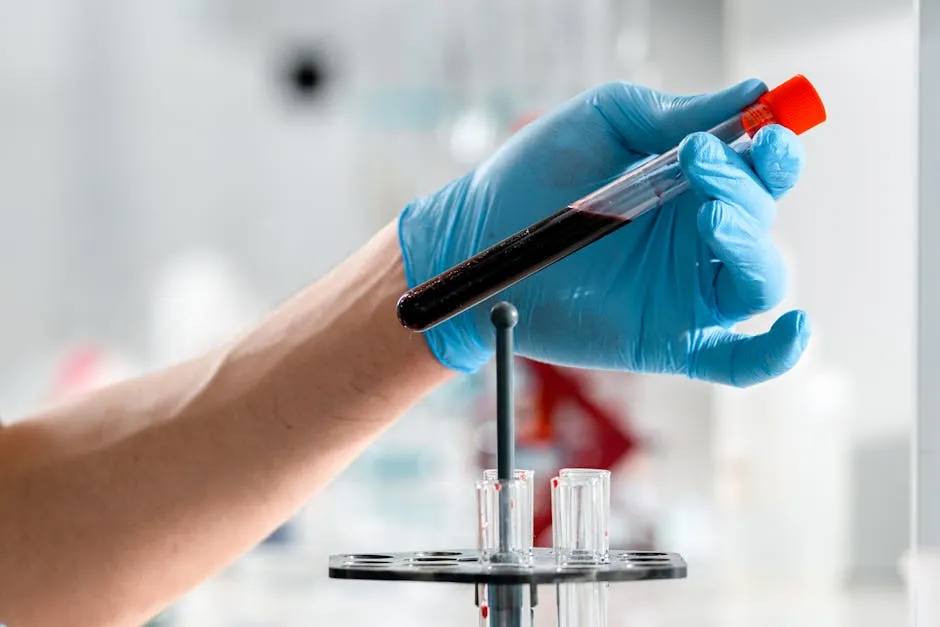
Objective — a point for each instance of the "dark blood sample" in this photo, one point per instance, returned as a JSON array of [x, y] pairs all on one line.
[[503, 264]]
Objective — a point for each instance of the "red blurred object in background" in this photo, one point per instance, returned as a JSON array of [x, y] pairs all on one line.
[[611, 440]]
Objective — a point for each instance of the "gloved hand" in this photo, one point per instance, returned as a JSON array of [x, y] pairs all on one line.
[[660, 295]]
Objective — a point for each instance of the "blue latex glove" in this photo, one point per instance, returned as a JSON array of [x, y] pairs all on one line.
[[661, 294]]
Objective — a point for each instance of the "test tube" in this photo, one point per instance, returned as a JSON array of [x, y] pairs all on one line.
[[582, 604], [583, 513], [518, 545], [505, 605], [580, 533], [794, 104], [526, 503]]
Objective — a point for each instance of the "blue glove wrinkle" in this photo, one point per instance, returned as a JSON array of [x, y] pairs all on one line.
[[681, 115], [718, 172], [751, 278], [743, 361], [426, 226], [609, 102], [754, 279], [708, 221], [761, 358], [645, 121], [793, 331], [777, 156]]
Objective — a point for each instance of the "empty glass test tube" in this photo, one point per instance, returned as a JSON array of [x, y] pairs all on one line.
[[582, 604], [580, 515], [794, 104], [580, 533]]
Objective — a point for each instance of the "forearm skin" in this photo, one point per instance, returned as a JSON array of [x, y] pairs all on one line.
[[113, 505]]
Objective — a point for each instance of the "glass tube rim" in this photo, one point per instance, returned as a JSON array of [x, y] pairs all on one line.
[[483, 483], [601, 473], [521, 474]]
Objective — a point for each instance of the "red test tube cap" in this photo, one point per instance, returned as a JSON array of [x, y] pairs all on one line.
[[795, 104]]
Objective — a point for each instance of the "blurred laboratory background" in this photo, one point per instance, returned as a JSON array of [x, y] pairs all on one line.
[[169, 171]]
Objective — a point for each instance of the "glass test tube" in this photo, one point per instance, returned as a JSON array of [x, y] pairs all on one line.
[[581, 514], [518, 494], [580, 533], [582, 604], [526, 502], [794, 104], [511, 605]]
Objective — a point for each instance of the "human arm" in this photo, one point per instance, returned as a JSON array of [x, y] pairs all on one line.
[[115, 504], [661, 295], [111, 530]]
